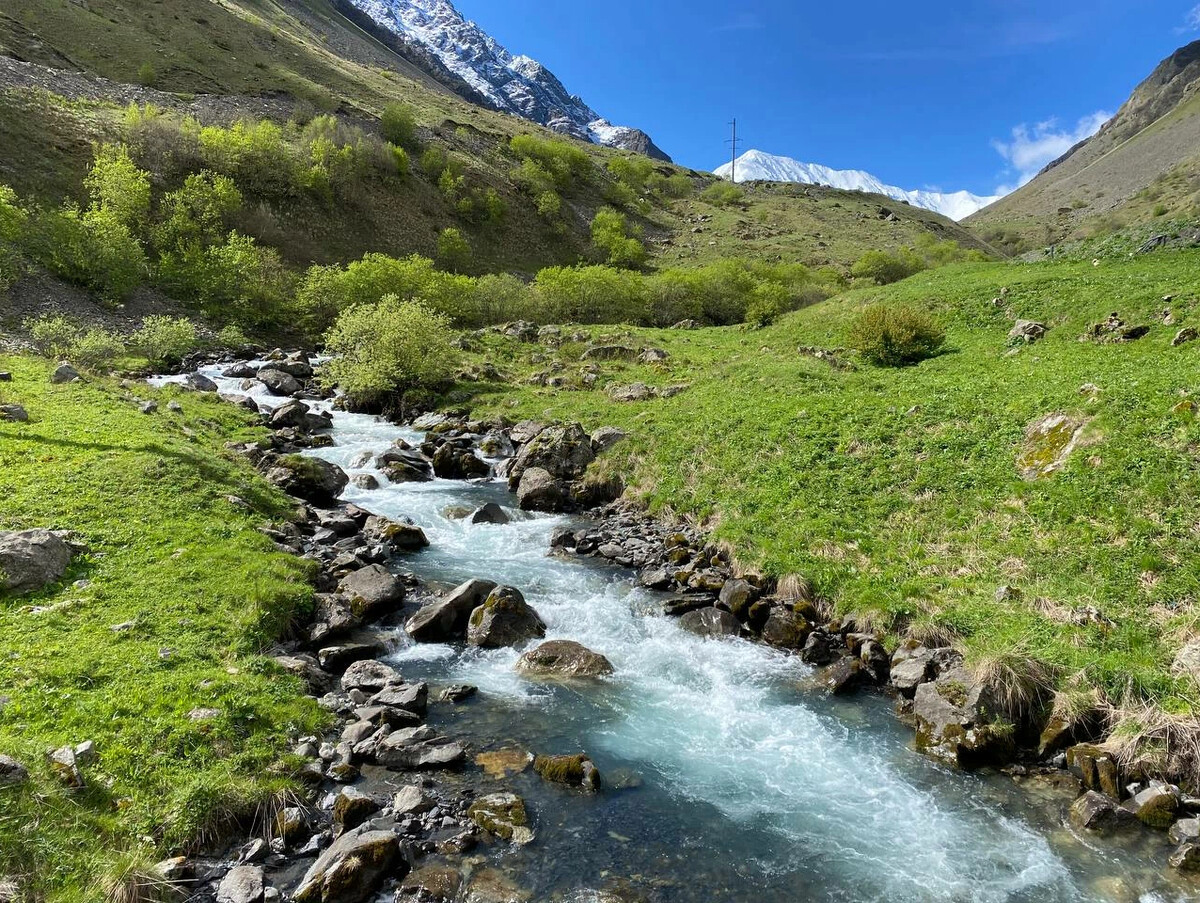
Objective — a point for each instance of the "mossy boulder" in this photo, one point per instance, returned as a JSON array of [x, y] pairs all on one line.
[[564, 660], [574, 771], [504, 815], [1097, 767], [504, 619], [959, 721], [1049, 441], [310, 479]]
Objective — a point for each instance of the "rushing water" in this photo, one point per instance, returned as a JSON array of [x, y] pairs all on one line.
[[730, 776]]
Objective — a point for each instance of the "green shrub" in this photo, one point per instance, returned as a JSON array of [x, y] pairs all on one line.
[[161, 143], [146, 75], [768, 301], [723, 194], [633, 172], [166, 340], [434, 162], [53, 336], [254, 155], [453, 251], [232, 337], [672, 296], [91, 248], [389, 348], [499, 298], [885, 268], [198, 213], [564, 163], [610, 235], [12, 230], [677, 186], [895, 335], [590, 294], [399, 126], [96, 348], [116, 186], [549, 204]]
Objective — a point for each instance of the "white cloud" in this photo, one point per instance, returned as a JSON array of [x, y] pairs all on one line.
[[1032, 147], [1191, 20]]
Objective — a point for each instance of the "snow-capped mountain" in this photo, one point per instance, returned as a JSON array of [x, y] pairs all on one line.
[[755, 165], [512, 84]]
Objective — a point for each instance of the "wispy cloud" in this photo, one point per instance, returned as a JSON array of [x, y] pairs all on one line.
[[1032, 147], [742, 22], [1191, 21]]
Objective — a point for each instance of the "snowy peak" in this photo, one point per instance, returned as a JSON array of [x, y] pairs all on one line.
[[754, 165], [512, 84]]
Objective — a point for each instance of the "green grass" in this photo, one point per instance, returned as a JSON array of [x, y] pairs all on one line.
[[896, 490], [205, 593]]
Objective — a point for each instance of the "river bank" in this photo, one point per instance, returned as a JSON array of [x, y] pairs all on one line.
[[814, 764]]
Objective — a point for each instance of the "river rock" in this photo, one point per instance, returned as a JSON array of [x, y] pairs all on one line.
[[563, 659], [411, 800], [1186, 857], [956, 721], [369, 675], [279, 382], [538, 490], [336, 659], [291, 826], [373, 591], [1096, 812], [1097, 767], [301, 369], [364, 481], [912, 665], [398, 536], [240, 370], [453, 463], [12, 772], [352, 807], [1156, 805], [311, 479], [504, 815], [352, 869], [402, 465], [575, 771], [844, 676], [491, 513], [736, 596], [526, 431], [446, 619], [1184, 830], [64, 373], [784, 628], [490, 885], [292, 413], [504, 619], [562, 451], [243, 884], [418, 748], [430, 884], [31, 559], [412, 698], [199, 382], [711, 622]]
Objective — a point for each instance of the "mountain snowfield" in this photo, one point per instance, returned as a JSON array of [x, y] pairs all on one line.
[[512, 84], [755, 165]]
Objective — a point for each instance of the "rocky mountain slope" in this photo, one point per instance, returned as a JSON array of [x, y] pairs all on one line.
[[755, 165], [514, 84], [1144, 164]]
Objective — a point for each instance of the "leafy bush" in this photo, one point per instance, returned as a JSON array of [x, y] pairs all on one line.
[[632, 172], [92, 248], [564, 163], [53, 336], [12, 229], [610, 235], [895, 335], [453, 251], [197, 214], [254, 154], [768, 301], [399, 126], [591, 294], [232, 337], [723, 194], [166, 340], [388, 348], [549, 204], [146, 75], [885, 268], [677, 186], [96, 348]]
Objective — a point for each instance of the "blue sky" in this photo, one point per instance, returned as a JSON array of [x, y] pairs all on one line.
[[972, 94]]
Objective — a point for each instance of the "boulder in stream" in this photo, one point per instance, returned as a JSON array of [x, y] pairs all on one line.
[[352, 869], [311, 479], [574, 771], [563, 659], [446, 619], [711, 622], [538, 490], [373, 591], [958, 721], [504, 815], [504, 619]]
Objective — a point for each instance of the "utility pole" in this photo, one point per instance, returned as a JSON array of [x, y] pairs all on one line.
[[733, 142]]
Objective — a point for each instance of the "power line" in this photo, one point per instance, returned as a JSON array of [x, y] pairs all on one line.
[[733, 143]]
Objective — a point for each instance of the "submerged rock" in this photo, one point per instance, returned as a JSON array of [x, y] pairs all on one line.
[[563, 659], [575, 771], [504, 619], [1096, 812], [711, 622], [431, 884], [491, 513]]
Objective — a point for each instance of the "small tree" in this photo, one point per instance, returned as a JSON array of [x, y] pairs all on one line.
[[388, 348], [399, 126], [893, 336], [453, 250], [166, 339], [610, 236], [147, 75], [768, 301], [117, 187]]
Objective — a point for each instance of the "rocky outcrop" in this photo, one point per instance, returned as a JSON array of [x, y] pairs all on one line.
[[31, 559], [563, 660], [504, 619]]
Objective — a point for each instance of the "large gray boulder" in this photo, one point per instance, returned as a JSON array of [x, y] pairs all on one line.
[[563, 659], [199, 382], [419, 748], [958, 721], [279, 382], [711, 622], [504, 619], [31, 559], [538, 490], [446, 619], [352, 869], [243, 884], [64, 373], [562, 451], [373, 591], [311, 479], [405, 465]]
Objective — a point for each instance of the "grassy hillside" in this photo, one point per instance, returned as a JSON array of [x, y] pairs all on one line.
[[166, 615], [897, 491], [221, 61], [1141, 167]]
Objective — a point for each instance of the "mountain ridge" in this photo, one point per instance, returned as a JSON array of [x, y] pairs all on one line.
[[507, 82], [756, 165]]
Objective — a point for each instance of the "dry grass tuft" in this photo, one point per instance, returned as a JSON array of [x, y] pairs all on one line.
[[931, 633], [795, 588], [135, 881], [1147, 739], [1021, 683]]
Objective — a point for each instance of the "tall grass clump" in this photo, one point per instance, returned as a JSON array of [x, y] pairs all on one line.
[[895, 335]]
